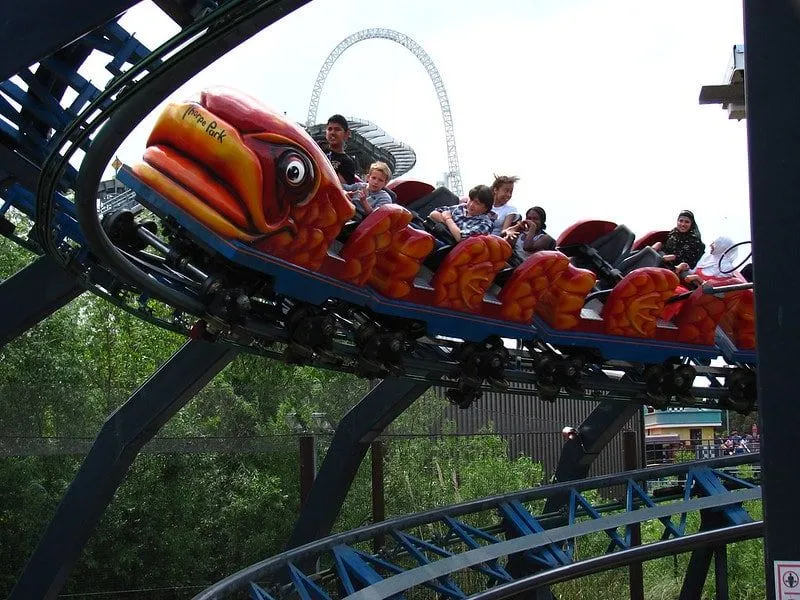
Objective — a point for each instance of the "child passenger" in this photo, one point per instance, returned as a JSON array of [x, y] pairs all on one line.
[[370, 195], [505, 213], [529, 236], [472, 218]]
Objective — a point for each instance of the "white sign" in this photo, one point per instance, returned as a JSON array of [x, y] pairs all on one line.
[[787, 580]]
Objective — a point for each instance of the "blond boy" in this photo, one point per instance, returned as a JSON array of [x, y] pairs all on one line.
[[369, 195]]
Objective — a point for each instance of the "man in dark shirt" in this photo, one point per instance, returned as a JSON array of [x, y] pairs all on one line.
[[337, 133]]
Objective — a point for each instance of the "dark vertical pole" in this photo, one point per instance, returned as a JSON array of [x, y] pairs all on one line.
[[630, 462], [350, 444], [597, 430], [772, 90], [308, 465], [378, 451]]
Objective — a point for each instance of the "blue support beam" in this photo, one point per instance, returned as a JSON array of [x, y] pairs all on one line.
[[38, 28], [772, 87], [33, 294], [114, 450], [594, 434], [359, 427]]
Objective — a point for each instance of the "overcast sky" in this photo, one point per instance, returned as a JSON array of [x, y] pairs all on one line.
[[593, 104]]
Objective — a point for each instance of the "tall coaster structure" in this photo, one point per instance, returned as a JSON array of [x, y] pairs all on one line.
[[49, 111], [454, 171]]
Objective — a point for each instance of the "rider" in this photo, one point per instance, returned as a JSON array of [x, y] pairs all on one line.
[[505, 213], [337, 132], [528, 236], [683, 245], [465, 220], [370, 195]]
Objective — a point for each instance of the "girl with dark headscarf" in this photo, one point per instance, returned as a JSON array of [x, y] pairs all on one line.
[[684, 241], [528, 236]]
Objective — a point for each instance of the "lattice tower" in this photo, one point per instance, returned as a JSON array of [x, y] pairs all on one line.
[[454, 173]]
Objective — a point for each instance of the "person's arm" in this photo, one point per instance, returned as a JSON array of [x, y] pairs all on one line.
[[362, 200], [508, 221], [437, 215], [454, 229], [512, 233], [542, 242]]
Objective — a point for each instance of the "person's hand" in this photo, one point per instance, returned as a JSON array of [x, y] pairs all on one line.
[[681, 267], [692, 278], [447, 215], [436, 216], [657, 247], [668, 257], [511, 235]]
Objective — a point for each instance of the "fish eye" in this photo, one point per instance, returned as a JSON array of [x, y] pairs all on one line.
[[294, 169]]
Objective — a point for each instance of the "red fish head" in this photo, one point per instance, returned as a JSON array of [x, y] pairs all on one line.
[[247, 173]]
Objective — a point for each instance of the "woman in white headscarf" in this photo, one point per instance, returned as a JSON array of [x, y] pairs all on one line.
[[718, 263], [715, 265]]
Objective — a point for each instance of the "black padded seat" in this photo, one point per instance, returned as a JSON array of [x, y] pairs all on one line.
[[615, 246], [347, 230], [646, 257]]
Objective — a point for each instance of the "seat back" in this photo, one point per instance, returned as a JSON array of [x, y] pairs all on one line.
[[408, 190], [649, 239], [646, 257], [616, 245]]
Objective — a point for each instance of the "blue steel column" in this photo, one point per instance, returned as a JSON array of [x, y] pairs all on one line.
[[33, 294], [772, 90], [594, 434], [35, 29], [354, 434], [113, 452]]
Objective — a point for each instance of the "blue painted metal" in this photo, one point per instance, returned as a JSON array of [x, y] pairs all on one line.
[[303, 284], [577, 501], [33, 294], [772, 84], [623, 558], [635, 494], [306, 588], [355, 432], [257, 593], [42, 110], [433, 561], [415, 546], [348, 562], [525, 524], [33, 36], [114, 450], [594, 434], [467, 534]]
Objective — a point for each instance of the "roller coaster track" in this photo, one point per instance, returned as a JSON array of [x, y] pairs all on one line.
[[498, 547], [429, 549], [70, 231]]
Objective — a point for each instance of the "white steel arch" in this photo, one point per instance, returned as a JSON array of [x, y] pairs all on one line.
[[454, 174]]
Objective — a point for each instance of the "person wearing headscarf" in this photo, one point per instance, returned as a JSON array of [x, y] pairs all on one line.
[[529, 236], [684, 242], [718, 262]]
